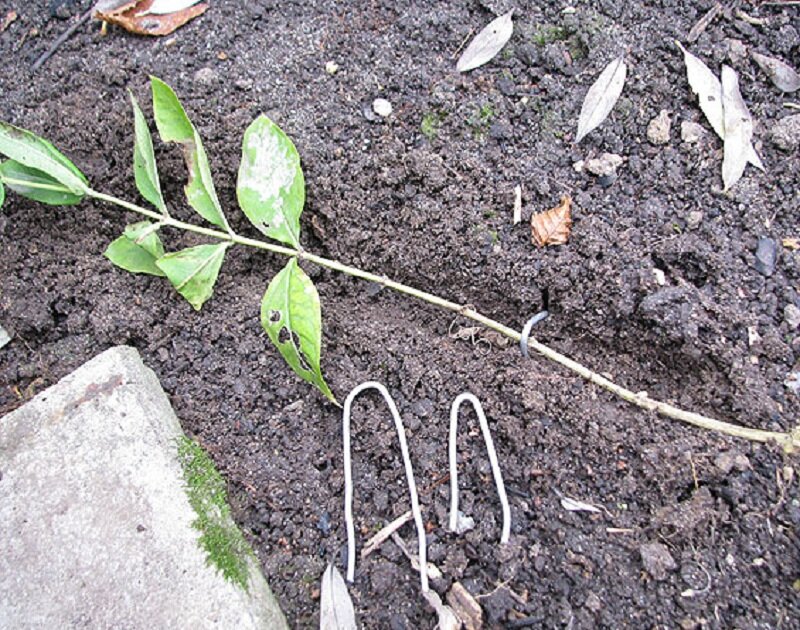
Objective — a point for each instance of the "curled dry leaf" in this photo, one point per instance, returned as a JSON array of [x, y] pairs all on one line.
[[487, 43], [782, 75], [705, 84], [136, 17], [336, 608], [552, 227], [601, 97], [164, 7], [738, 128]]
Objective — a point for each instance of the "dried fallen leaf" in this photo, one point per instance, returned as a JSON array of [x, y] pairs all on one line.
[[164, 7], [708, 88], [487, 43], [791, 243], [336, 608], [738, 128], [447, 618], [10, 17], [135, 17], [573, 505], [552, 227], [465, 606], [782, 75], [601, 97]]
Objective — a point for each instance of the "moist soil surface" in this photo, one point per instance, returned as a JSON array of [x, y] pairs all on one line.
[[659, 287]]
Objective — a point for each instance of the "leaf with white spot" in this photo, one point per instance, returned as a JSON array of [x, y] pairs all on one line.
[[705, 84], [738, 128], [601, 97], [291, 317], [487, 43], [335, 606], [270, 187], [782, 75]]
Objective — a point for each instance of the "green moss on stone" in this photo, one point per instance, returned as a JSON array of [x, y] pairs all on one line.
[[224, 545]]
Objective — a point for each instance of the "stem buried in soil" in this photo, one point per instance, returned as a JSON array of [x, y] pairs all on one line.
[[789, 441]]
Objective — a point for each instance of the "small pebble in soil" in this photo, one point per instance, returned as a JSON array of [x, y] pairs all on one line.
[[785, 133], [737, 52], [791, 315], [658, 129], [4, 337], [382, 107], [729, 460], [606, 164], [692, 132], [694, 219], [324, 523], [657, 560], [331, 67], [593, 602], [205, 76], [766, 256]]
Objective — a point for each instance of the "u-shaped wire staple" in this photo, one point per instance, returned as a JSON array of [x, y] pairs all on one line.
[[348, 482], [526, 332], [498, 478]]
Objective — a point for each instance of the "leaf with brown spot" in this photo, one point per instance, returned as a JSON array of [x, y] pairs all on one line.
[[136, 17], [552, 227]]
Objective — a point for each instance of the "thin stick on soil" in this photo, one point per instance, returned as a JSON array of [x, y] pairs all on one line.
[[789, 441], [60, 40]]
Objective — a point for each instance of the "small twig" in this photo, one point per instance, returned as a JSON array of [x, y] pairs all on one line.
[[753, 21], [348, 481], [382, 536], [60, 40], [498, 477], [466, 39], [703, 22]]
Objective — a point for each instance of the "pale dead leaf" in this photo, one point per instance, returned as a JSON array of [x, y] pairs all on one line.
[[465, 606], [738, 128], [336, 609], [782, 75], [487, 43], [573, 505], [601, 97], [791, 243], [164, 7], [552, 227], [447, 618], [705, 84], [134, 17]]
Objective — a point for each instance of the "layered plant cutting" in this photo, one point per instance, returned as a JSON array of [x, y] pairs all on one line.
[[271, 193]]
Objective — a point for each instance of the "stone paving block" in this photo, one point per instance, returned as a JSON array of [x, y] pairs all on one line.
[[99, 527]]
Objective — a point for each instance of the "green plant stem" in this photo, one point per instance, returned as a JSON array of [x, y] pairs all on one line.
[[788, 440]]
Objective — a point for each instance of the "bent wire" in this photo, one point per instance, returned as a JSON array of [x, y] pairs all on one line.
[[498, 478], [526, 332], [348, 482]]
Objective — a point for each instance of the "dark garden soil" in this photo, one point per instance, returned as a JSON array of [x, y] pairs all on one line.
[[698, 530]]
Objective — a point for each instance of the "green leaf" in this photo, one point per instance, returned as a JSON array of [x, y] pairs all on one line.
[[2, 193], [194, 271], [138, 249], [144, 160], [37, 153], [174, 126], [35, 184], [270, 188], [290, 314]]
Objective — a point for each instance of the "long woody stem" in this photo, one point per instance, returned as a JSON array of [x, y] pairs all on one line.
[[788, 440]]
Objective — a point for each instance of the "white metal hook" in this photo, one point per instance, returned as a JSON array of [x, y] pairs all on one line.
[[348, 482], [498, 478]]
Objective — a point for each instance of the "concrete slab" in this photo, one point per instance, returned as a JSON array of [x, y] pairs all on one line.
[[111, 518]]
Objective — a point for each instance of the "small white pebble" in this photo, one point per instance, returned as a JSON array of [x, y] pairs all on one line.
[[331, 67], [382, 107], [661, 279]]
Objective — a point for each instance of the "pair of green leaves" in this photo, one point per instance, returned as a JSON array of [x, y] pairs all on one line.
[[271, 193]]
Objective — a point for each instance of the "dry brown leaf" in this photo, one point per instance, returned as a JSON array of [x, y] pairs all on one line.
[[135, 17], [552, 227], [465, 606]]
